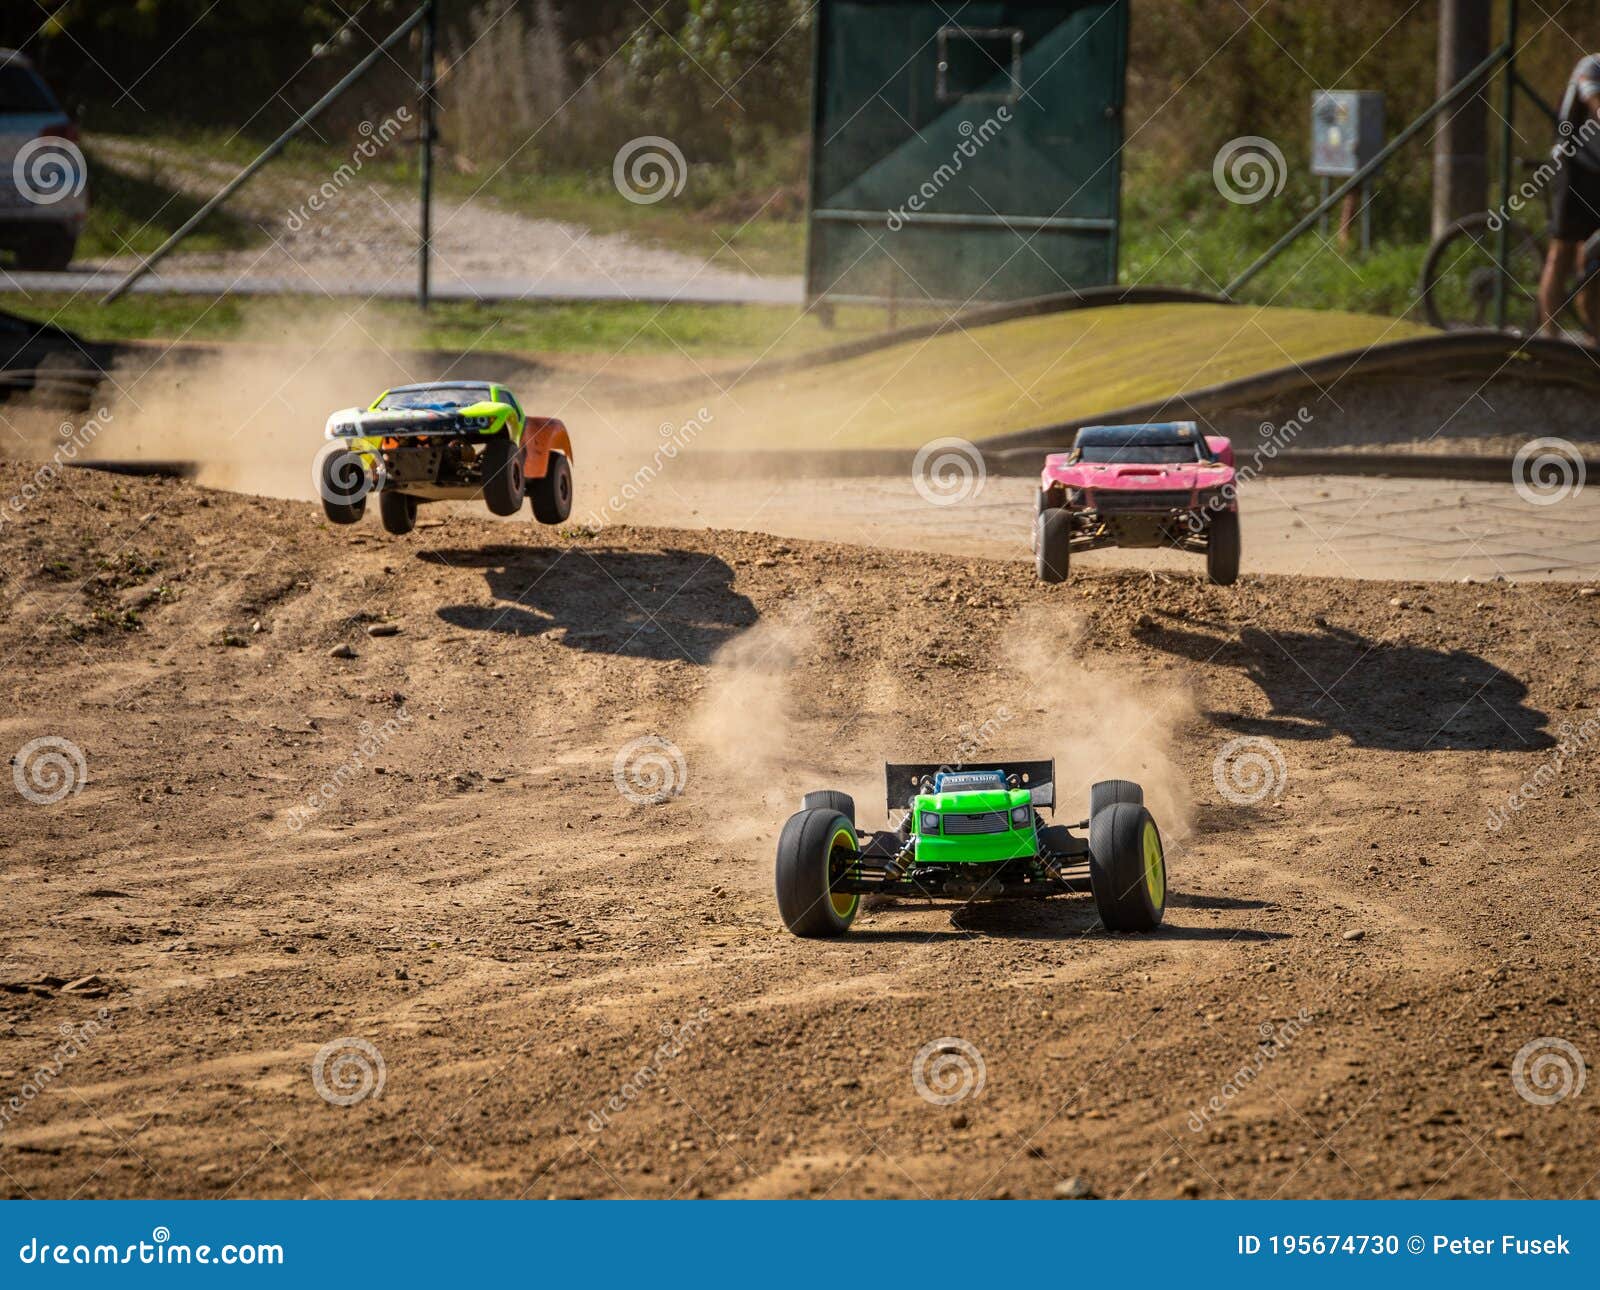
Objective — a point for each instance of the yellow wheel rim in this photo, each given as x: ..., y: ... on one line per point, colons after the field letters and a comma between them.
x: 1155, y: 868
x: 844, y: 905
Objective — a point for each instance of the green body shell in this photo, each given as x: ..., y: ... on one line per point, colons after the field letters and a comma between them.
x: 942, y: 846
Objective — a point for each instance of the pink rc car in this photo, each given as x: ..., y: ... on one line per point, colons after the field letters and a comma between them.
x: 1161, y: 485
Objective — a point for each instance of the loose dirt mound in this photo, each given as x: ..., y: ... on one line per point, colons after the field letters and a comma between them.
x: 410, y: 877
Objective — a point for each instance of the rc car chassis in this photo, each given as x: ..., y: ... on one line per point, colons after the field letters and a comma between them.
x: 444, y: 441
x: 1157, y: 485
x: 970, y: 836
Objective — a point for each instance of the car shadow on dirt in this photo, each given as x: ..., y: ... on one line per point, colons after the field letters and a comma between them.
x: 659, y: 605
x: 1043, y: 920
x: 1394, y: 697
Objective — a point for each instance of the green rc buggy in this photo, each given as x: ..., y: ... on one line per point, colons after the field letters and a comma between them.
x: 971, y: 835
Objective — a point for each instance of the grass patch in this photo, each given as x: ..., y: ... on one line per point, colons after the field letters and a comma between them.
x: 1036, y: 371
x: 622, y: 327
x: 134, y: 213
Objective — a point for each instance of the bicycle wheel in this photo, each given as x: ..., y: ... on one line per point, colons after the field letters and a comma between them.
x: 1460, y: 273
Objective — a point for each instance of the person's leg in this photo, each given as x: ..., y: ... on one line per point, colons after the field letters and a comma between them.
x: 1558, y: 266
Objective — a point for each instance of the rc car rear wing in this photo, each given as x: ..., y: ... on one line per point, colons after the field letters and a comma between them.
x: 906, y: 780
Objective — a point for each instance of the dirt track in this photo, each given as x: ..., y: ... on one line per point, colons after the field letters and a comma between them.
x: 478, y: 901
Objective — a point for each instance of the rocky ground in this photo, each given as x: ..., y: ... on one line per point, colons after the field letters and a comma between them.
x: 338, y: 872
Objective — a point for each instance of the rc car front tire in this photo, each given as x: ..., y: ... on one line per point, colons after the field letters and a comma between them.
x: 551, y: 494
x: 503, y: 485
x: 1053, y: 543
x: 1222, y: 549
x: 1108, y: 792
x: 807, y: 865
x: 343, y: 484
x: 1127, y: 869
x: 830, y: 799
x: 398, y: 511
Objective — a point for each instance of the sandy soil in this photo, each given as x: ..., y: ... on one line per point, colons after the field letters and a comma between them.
x: 570, y: 992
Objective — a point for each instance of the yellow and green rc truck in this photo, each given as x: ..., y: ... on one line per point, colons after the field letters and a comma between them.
x: 443, y: 441
x: 969, y: 835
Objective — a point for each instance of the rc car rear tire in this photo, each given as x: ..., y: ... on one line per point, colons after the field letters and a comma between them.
x: 398, y: 511
x: 830, y: 799
x: 503, y: 485
x: 1053, y: 543
x: 1127, y: 869
x: 1108, y: 792
x: 806, y: 868
x: 551, y: 494
x: 1222, y: 549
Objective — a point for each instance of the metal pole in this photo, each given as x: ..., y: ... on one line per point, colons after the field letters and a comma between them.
x: 1461, y: 144
x: 1371, y: 168
x: 430, y: 34
x: 266, y: 155
x: 1508, y: 108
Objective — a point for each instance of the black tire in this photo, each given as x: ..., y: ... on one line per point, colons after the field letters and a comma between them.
x: 1129, y: 893
x: 805, y: 868
x: 48, y: 251
x: 1222, y: 548
x: 1053, y: 545
x: 1041, y: 502
x: 398, y: 511
x: 830, y: 799
x: 503, y: 485
x: 339, y: 480
x: 551, y: 494
x: 1108, y: 792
